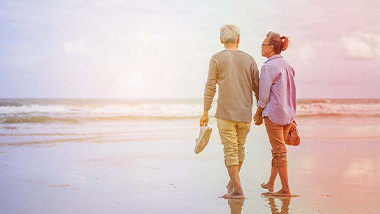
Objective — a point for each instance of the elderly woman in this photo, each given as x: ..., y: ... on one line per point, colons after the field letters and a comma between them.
x: 277, y: 106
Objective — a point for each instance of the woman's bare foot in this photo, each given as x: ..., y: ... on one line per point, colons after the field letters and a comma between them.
x: 230, y: 187
x: 283, y: 193
x: 267, y: 186
x: 234, y: 195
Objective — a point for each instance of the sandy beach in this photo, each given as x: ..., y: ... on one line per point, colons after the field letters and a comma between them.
x: 330, y: 175
x: 152, y: 169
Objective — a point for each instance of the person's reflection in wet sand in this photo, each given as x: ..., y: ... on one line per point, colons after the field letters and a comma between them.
x: 236, y: 205
x: 285, y: 204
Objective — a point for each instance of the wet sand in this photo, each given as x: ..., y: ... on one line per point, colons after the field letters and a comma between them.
x: 336, y: 169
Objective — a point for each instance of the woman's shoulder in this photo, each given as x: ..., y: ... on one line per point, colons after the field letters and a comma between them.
x: 276, y: 64
x: 269, y: 66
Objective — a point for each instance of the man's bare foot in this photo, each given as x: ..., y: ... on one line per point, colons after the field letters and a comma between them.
x: 230, y: 187
x: 283, y: 193
x: 267, y: 186
x: 234, y: 195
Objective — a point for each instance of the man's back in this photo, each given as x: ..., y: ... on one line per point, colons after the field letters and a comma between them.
x: 237, y: 76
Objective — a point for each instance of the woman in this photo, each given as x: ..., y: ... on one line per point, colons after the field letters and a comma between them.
x: 277, y: 106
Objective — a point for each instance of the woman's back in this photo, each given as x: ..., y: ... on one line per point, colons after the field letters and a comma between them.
x: 278, y: 87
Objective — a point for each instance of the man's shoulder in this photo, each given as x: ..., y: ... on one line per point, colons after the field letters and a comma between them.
x: 225, y: 52
x: 248, y: 57
x: 245, y: 54
x: 218, y: 54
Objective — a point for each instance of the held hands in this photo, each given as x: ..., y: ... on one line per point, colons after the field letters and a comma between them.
x: 258, y: 118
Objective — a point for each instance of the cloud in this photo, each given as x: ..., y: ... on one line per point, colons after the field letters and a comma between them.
x: 79, y: 47
x: 303, y: 51
x: 362, y: 45
x: 147, y: 48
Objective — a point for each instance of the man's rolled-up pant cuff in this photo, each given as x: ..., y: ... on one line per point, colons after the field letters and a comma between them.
x: 241, y: 159
x: 231, y: 162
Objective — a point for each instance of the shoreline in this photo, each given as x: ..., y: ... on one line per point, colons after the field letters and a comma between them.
x: 123, y: 177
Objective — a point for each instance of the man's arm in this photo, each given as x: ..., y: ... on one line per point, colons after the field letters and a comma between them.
x: 255, y: 80
x: 210, y: 89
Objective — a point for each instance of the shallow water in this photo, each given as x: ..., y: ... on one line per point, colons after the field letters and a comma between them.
x: 148, y: 166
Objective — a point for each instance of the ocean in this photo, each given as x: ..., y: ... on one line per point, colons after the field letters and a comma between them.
x: 65, y: 155
x: 39, y: 121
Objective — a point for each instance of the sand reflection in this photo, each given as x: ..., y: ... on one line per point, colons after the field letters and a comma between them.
x: 236, y: 205
x: 275, y: 209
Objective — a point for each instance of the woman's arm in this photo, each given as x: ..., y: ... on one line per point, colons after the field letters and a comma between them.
x: 266, y: 81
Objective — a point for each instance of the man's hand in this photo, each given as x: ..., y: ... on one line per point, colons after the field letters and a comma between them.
x: 203, y: 121
x: 258, y: 118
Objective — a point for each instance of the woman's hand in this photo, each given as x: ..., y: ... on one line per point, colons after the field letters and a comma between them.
x: 258, y: 118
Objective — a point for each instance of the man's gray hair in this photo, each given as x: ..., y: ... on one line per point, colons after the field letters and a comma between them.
x: 229, y: 33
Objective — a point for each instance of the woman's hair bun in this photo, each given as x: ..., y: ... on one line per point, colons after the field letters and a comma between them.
x: 285, y: 43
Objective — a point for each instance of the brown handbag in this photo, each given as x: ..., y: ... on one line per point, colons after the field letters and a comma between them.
x: 292, y: 138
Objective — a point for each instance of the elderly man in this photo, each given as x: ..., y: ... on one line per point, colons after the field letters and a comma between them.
x: 237, y: 76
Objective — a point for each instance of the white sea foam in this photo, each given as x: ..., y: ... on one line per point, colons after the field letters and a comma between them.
x: 37, y: 111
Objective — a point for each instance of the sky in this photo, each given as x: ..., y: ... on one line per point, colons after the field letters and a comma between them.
x: 161, y: 49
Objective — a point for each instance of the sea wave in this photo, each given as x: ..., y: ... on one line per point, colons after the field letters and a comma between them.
x: 68, y: 119
x: 36, y: 119
x: 10, y: 103
x: 76, y: 111
x: 338, y: 109
x: 337, y: 115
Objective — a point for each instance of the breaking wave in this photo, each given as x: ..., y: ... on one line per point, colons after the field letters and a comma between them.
x: 77, y: 111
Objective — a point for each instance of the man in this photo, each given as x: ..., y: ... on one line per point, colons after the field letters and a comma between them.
x: 237, y: 76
